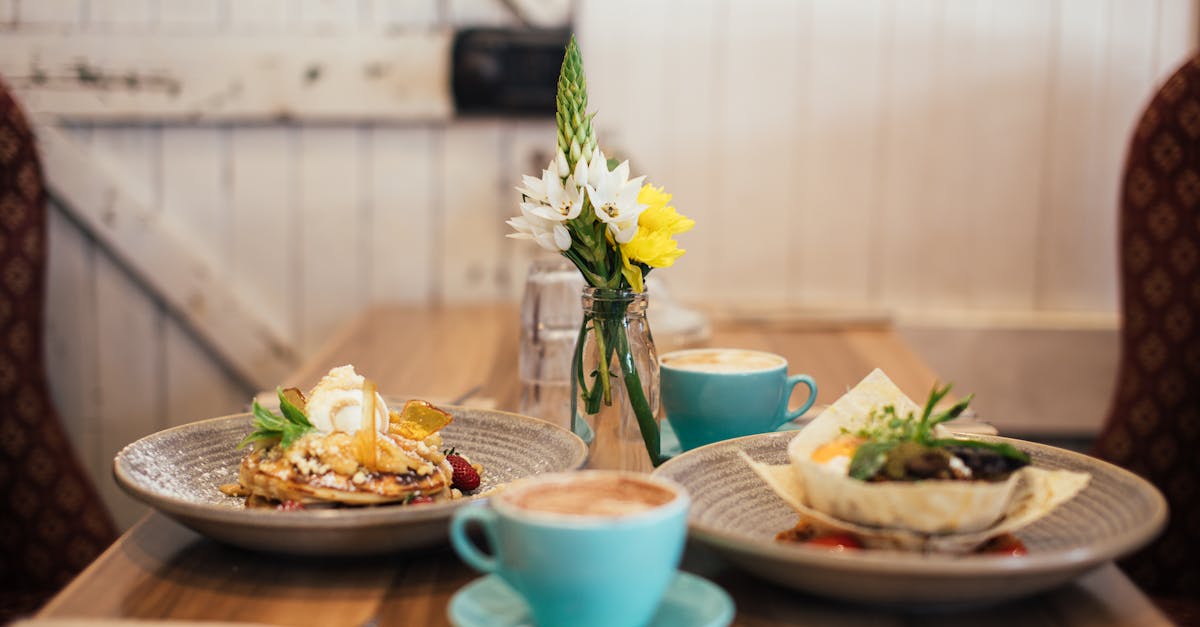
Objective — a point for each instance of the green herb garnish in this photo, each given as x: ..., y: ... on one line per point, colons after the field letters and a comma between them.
x: 889, y: 430
x: 269, y: 426
x: 869, y: 457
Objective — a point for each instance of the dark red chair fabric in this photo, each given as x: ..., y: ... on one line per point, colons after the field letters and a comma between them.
x: 52, y: 522
x: 1153, y: 427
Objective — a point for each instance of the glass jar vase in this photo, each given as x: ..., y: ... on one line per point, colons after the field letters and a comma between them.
x: 614, y: 382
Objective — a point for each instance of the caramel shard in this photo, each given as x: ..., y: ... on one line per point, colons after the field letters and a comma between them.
x: 418, y: 420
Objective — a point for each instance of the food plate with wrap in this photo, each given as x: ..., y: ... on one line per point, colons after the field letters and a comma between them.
x: 1071, y: 512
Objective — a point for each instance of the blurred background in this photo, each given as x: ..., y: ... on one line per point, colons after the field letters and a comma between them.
x: 236, y: 179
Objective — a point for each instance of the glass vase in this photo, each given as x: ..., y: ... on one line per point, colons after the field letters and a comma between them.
x: 614, y: 382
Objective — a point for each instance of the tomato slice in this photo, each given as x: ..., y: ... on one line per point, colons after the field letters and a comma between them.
x: 1005, y: 544
x: 836, y: 541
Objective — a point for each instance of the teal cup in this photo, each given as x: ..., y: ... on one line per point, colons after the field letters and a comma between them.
x: 589, y: 548
x: 714, y: 394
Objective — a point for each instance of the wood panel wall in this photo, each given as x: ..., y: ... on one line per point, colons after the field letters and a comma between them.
x: 920, y: 155
x: 915, y: 156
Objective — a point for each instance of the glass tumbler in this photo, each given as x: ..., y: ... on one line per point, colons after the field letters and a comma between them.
x: 550, y: 319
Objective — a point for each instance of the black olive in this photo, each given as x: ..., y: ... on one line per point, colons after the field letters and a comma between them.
x: 911, y: 461
x: 985, y: 464
x: 930, y: 464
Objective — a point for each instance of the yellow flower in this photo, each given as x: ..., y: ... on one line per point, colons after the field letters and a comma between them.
x: 654, y: 244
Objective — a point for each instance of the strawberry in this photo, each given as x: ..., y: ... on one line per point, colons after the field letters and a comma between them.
x: 290, y: 506
x: 420, y: 499
x: 466, y: 478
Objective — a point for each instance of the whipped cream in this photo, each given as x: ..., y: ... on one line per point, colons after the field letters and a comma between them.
x: 335, y: 403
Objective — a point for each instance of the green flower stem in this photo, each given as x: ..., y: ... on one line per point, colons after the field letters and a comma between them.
x: 590, y: 395
x: 637, y: 398
x: 602, y: 257
x: 600, y: 387
x: 609, y: 327
x: 580, y: 261
x: 601, y: 329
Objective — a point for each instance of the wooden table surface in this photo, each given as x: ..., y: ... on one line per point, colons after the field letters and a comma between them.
x: 445, y: 352
x: 161, y: 570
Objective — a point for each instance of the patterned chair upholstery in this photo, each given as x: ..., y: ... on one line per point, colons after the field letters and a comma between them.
x: 1153, y: 427
x: 52, y: 522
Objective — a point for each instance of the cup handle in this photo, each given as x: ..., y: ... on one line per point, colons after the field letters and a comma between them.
x: 486, y: 519
x: 792, y: 382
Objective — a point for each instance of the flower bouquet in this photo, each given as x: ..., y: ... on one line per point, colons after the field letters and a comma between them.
x: 615, y: 230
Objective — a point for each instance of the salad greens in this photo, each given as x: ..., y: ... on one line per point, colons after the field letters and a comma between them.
x: 888, y: 430
x: 270, y: 426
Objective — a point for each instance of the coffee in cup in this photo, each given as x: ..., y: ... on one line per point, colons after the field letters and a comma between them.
x: 722, y: 360
x: 593, y: 547
x: 597, y: 496
x: 713, y: 394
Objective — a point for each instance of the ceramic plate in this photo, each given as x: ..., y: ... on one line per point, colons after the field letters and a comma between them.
x: 178, y: 472
x: 736, y: 514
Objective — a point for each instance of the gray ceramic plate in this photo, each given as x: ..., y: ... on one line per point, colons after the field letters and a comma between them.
x: 735, y: 513
x: 178, y: 472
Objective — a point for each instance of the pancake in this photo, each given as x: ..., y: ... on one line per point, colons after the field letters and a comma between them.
x: 321, y: 468
x: 341, y: 446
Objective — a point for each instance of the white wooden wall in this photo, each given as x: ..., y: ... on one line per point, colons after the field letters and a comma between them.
x: 919, y: 156
x: 916, y: 155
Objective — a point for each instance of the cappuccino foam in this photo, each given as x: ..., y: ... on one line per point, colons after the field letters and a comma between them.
x: 593, y: 496
x: 722, y: 360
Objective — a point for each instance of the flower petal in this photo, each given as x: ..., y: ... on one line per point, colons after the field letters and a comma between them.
x: 597, y: 169
x: 576, y: 205
x: 581, y: 172
x: 562, y: 238
x: 622, y: 172
x: 548, y: 213
x: 628, y: 194
x: 597, y: 203
x: 624, y: 233
x: 546, y: 240
x: 560, y: 164
x: 632, y: 273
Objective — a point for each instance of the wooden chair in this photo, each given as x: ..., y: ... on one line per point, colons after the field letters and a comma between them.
x: 1153, y: 427
x: 52, y: 522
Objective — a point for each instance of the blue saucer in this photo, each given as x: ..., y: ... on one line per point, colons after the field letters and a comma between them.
x: 690, y: 601
x: 668, y: 442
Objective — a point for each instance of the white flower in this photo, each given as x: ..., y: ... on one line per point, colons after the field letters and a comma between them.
x: 559, y: 200
x: 548, y: 234
x: 549, y: 202
x: 614, y: 197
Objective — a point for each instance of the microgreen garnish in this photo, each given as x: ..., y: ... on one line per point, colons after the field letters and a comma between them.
x: 869, y: 457
x: 887, y: 430
x: 270, y: 426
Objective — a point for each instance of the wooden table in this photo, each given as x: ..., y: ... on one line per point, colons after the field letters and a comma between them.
x: 445, y: 352
x: 161, y: 570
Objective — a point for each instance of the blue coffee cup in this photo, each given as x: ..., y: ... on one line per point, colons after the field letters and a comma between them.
x: 587, y: 569
x: 714, y: 394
